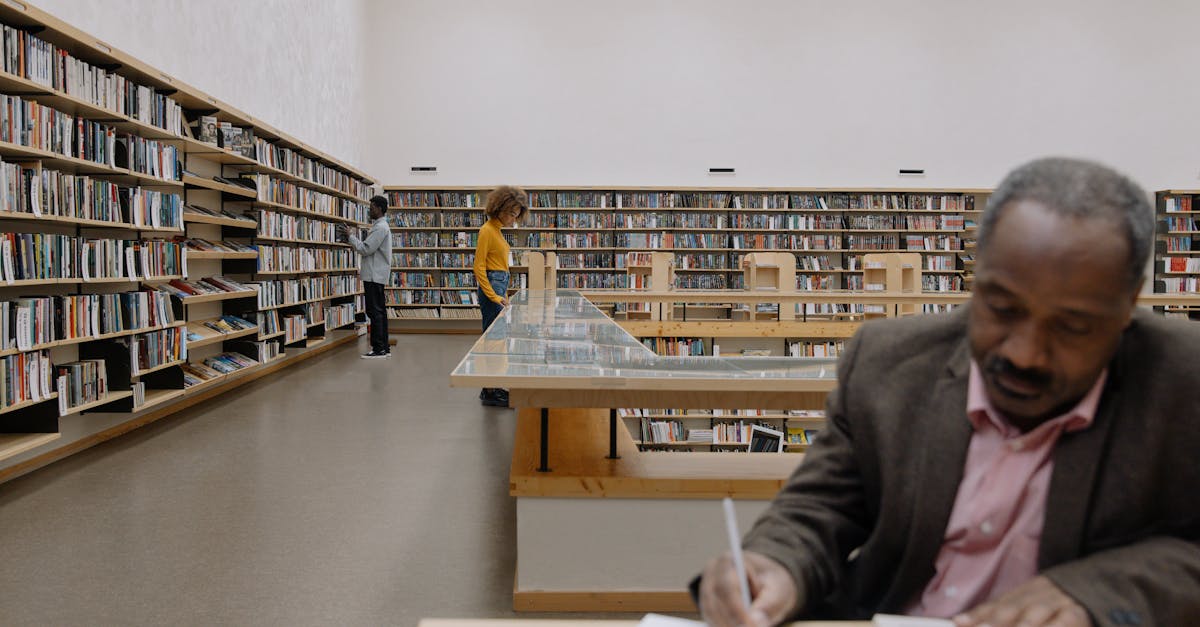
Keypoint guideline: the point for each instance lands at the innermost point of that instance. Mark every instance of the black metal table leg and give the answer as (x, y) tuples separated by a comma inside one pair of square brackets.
[(545, 452), (612, 435)]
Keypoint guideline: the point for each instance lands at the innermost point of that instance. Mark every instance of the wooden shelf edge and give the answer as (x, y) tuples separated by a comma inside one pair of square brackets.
[(24, 404), (108, 398), (143, 373), (13, 444)]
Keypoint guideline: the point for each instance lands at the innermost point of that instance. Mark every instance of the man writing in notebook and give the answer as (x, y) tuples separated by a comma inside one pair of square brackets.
[(1030, 459)]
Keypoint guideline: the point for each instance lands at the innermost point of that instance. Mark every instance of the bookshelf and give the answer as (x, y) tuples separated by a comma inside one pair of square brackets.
[(141, 250), (1177, 248), (708, 231)]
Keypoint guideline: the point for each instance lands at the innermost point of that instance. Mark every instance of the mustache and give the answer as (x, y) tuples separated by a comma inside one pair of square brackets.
[(1031, 376)]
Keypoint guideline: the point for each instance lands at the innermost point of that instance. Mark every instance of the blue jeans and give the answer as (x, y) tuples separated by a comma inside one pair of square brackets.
[(499, 282)]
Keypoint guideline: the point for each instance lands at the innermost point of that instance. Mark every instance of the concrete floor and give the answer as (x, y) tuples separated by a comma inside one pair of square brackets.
[(339, 492)]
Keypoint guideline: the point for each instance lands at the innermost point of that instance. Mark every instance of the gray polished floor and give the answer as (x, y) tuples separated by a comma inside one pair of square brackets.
[(339, 492)]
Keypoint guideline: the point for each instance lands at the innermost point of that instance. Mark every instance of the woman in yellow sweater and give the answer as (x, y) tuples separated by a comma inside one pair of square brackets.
[(505, 205)]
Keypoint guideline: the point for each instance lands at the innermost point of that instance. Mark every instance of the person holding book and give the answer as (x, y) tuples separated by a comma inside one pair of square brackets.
[(1029, 459), (505, 206), (376, 269)]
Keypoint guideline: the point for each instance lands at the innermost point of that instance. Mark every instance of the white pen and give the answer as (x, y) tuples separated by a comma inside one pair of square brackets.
[(735, 545)]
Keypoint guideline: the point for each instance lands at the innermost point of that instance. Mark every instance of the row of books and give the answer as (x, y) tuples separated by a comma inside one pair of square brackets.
[(287, 226), (1176, 223), (28, 123), (268, 322), (48, 256), (941, 283), (467, 279), (25, 377), (701, 200), (80, 382), (414, 279), (455, 219), (414, 219), (339, 316), (593, 280), (677, 346), (295, 328), (414, 240), (758, 241), (812, 348), (1174, 204), (182, 288), (704, 281), (314, 313), (1181, 264), (27, 322), (786, 221), (301, 259), (29, 56), (1179, 285), (156, 348), (307, 168), (586, 260), (195, 374), (432, 297), (222, 246), (806, 282), (235, 139), (288, 291), (148, 156), (271, 189), (655, 240), (1180, 243)]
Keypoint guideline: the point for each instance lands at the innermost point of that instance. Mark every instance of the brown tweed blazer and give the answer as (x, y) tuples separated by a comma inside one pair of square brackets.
[(1122, 529)]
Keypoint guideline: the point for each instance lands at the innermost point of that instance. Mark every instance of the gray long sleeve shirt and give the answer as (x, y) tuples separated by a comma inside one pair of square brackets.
[(376, 251)]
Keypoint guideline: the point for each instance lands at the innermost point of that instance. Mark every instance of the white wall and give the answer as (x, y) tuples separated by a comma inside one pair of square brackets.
[(295, 64), (790, 92)]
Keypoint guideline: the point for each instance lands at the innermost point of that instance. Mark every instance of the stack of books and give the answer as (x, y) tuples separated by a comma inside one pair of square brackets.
[(226, 363), (195, 374), (210, 285), (230, 324), (81, 382), (203, 245)]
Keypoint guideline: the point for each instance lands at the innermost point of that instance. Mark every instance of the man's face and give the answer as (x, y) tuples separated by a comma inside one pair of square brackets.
[(375, 212), (1052, 297)]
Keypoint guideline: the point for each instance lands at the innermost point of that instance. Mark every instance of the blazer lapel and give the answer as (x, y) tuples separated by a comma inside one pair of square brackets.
[(1077, 457), (946, 434)]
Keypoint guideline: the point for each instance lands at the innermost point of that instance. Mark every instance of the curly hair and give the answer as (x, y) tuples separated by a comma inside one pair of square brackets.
[(506, 197)]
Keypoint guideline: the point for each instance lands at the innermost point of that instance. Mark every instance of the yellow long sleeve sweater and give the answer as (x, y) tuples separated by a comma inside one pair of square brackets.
[(491, 253)]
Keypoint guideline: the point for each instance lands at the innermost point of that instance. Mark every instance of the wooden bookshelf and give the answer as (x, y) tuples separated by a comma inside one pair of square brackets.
[(1177, 247), (346, 187), (706, 230)]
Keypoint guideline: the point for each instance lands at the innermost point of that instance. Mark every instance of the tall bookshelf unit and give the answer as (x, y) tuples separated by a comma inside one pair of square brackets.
[(126, 241), (708, 230), (1177, 247)]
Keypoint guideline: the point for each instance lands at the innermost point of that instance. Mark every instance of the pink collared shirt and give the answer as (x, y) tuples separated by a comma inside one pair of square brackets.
[(991, 542)]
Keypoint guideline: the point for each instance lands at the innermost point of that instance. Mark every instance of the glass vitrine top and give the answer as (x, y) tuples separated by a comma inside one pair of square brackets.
[(559, 333)]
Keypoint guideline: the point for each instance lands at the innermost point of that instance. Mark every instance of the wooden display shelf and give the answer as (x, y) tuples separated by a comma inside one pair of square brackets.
[(199, 218), (210, 336), (158, 397), (236, 190), (297, 272), (305, 212), (198, 255), (471, 287), (254, 166), (209, 298), (272, 336), (13, 444), (305, 302), (29, 282), (263, 238), (24, 404), (163, 366), (108, 398), (29, 217), (90, 338)]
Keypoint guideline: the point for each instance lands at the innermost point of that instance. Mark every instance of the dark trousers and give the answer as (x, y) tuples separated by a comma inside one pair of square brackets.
[(377, 315)]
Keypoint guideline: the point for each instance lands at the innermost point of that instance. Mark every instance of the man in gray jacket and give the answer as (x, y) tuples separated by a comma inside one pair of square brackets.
[(376, 251)]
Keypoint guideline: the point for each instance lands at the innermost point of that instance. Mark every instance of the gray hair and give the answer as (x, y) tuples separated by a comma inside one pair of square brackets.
[(1079, 189)]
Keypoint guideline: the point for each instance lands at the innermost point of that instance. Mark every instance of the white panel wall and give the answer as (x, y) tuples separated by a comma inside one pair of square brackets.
[(790, 92), (295, 64)]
